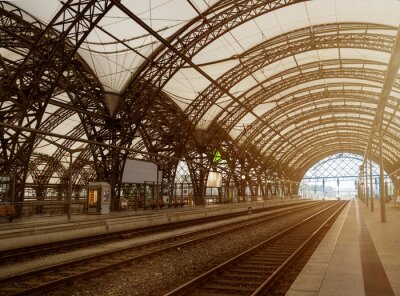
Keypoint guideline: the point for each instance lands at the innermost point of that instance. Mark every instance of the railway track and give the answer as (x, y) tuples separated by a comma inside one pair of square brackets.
[(37, 281), (20, 254), (257, 270)]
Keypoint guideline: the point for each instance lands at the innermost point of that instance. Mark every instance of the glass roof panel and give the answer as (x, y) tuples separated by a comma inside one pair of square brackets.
[(246, 120), (117, 48), (68, 125), (188, 83), (115, 69), (44, 12), (207, 118), (380, 12), (264, 108), (10, 55), (243, 85), (364, 54), (275, 68), (50, 110), (157, 13), (235, 132), (306, 14)]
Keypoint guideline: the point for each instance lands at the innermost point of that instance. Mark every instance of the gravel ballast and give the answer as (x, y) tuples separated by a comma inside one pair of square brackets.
[(160, 274)]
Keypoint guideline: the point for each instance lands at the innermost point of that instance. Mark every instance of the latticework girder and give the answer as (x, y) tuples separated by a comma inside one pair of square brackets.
[(277, 105), (299, 107), (331, 36), (334, 108), (344, 138), (235, 113), (322, 126)]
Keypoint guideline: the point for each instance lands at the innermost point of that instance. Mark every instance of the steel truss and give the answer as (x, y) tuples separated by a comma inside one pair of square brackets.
[(78, 90), (307, 39), (32, 83), (306, 101), (251, 131), (149, 120)]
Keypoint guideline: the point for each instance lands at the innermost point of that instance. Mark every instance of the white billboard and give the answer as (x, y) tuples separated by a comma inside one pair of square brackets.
[(140, 171), (214, 179)]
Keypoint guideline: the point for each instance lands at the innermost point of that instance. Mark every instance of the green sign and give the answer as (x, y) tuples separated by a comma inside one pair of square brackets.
[(217, 156)]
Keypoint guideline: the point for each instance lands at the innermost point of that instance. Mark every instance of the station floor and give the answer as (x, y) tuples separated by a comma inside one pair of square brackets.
[(31, 231), (33, 222), (360, 255)]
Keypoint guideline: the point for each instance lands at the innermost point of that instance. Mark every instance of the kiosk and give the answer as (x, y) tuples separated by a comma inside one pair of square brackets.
[(99, 198)]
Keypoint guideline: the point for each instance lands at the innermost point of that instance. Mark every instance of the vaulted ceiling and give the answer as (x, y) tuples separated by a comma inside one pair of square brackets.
[(291, 81)]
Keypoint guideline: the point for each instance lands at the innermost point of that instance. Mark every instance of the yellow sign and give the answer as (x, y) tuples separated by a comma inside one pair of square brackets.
[(92, 196)]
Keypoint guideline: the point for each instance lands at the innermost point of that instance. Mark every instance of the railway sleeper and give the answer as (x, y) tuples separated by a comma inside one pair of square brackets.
[(275, 248), (68, 273), (270, 257), (19, 285), (240, 276), (272, 262), (268, 252), (250, 271), (9, 290), (97, 264), (261, 267), (230, 288), (50, 278)]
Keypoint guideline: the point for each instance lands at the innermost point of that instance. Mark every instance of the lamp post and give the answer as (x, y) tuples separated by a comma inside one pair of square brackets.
[(381, 179), (338, 190), (244, 187), (371, 184), (366, 185)]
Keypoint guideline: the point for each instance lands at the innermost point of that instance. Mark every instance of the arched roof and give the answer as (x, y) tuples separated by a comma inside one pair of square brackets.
[(295, 80)]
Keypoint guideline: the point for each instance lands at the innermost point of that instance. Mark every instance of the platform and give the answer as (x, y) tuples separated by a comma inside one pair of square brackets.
[(39, 230), (358, 256)]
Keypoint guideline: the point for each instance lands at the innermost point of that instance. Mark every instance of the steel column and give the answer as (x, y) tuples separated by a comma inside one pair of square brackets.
[(382, 180)]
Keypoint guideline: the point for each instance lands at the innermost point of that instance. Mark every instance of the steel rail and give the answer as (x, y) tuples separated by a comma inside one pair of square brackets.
[(187, 288), (29, 283), (268, 282), (19, 254)]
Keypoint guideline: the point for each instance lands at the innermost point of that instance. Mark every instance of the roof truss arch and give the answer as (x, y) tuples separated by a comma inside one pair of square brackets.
[(320, 155), (353, 114), (232, 117), (272, 51), (304, 165), (350, 101), (304, 95), (320, 125), (342, 139), (294, 103), (235, 113), (310, 139)]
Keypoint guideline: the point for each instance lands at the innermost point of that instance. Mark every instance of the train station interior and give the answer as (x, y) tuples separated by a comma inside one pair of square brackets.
[(209, 130)]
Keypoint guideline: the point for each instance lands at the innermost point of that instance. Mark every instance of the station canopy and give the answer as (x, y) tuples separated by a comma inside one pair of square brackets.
[(298, 80)]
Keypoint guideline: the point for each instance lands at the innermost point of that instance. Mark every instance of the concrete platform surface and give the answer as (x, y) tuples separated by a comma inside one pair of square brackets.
[(360, 255), (39, 230)]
